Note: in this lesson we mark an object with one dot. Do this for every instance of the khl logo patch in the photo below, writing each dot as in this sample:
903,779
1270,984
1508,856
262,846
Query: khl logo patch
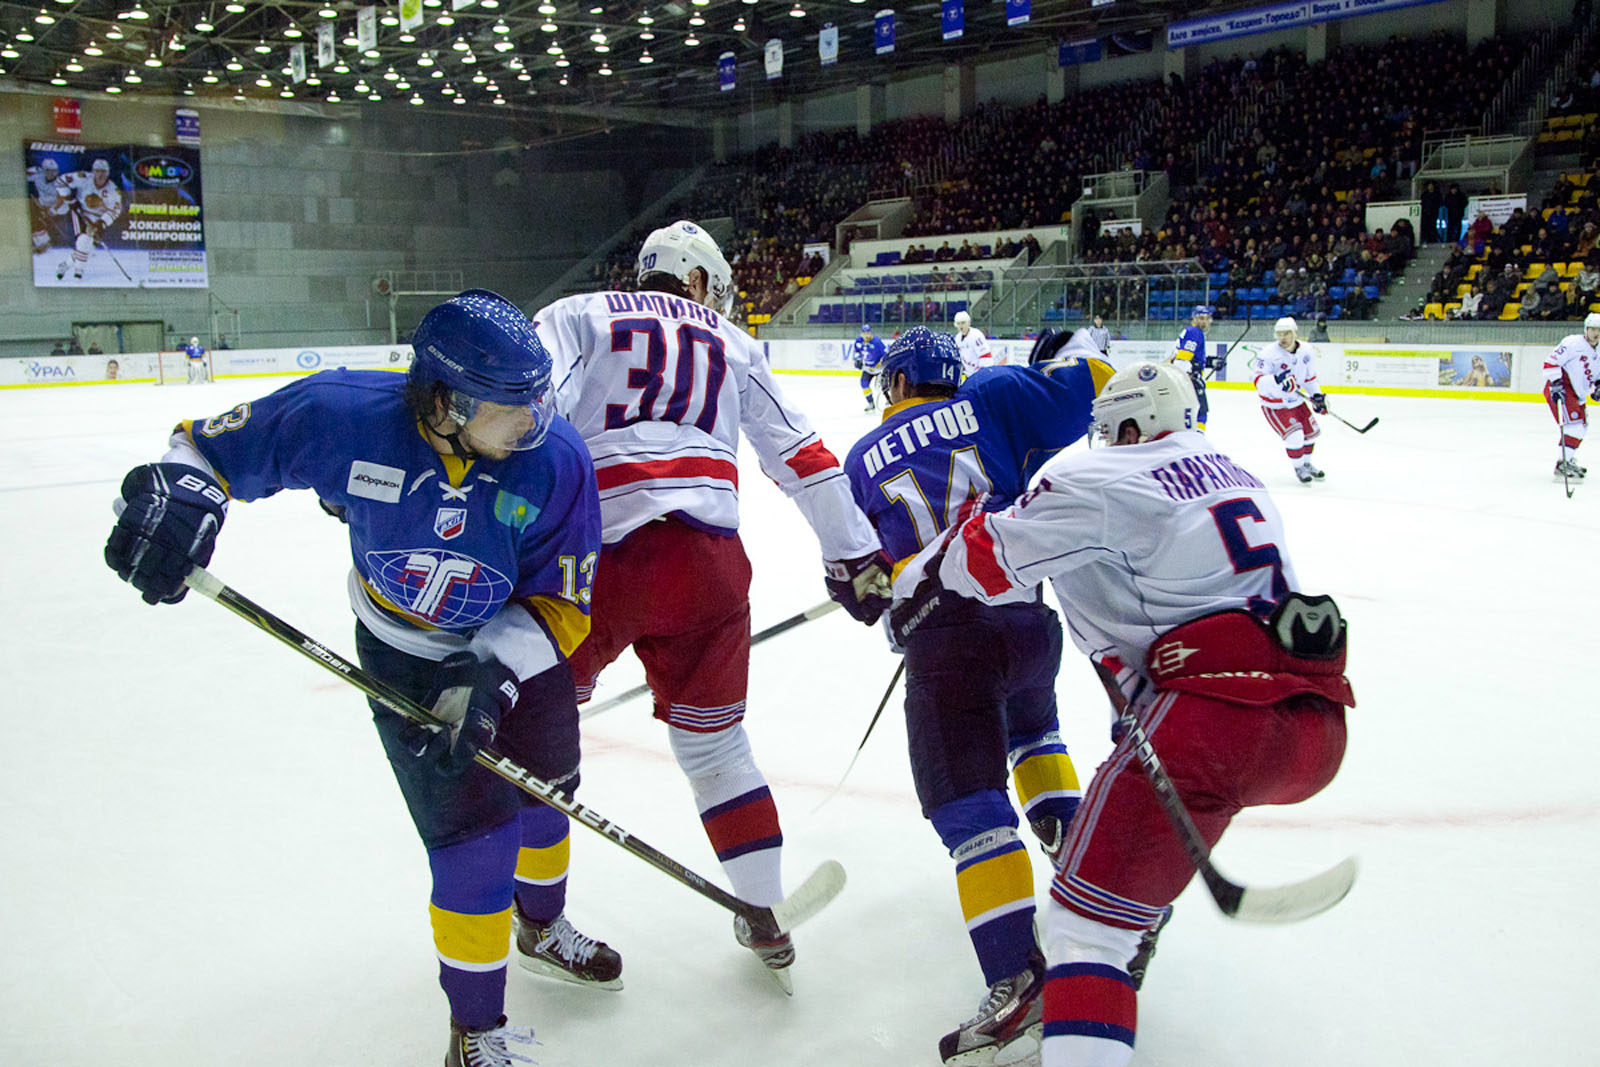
450,522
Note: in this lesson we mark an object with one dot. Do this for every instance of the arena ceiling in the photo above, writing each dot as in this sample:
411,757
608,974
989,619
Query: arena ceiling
616,61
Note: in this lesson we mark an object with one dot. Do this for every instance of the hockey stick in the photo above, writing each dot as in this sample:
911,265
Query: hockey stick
106,249
755,639
1341,418
893,681
1209,371
1278,904
812,896
1566,481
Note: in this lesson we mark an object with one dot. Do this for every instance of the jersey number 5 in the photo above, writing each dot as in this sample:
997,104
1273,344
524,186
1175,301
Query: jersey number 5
1230,516
696,348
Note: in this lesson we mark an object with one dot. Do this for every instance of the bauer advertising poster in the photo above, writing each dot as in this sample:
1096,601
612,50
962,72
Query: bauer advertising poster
115,216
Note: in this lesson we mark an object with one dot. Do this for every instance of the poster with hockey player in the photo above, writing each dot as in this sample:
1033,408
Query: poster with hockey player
115,216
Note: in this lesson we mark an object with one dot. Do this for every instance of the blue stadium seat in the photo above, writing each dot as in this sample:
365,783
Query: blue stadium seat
1269,278
852,313
1370,291
1336,293
1349,277
1337,312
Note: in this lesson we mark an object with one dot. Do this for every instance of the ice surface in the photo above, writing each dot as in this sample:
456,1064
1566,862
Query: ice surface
206,860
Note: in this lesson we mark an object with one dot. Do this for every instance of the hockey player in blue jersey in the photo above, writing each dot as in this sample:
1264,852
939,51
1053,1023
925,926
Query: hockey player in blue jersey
980,680
866,352
1190,353
474,528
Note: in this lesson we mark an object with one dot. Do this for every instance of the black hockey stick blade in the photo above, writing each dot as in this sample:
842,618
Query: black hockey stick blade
1359,429
1285,903
755,639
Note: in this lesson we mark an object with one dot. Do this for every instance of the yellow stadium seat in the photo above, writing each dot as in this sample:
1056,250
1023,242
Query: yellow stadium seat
1535,269
1545,137
1453,306
1464,288
1595,306
1521,288
1569,270
1509,313
1474,270
1433,311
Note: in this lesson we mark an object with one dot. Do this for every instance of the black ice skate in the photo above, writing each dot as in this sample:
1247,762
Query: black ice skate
487,1048
1306,472
772,947
1012,1014
1568,468
1146,951
1052,838
556,950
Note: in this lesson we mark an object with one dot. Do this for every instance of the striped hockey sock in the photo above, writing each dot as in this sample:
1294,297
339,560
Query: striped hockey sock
1090,1016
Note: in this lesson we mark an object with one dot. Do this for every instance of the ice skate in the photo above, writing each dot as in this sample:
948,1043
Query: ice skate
1009,1026
1567,468
61,270
1306,472
773,948
488,1048
1314,471
1140,963
556,950
1052,838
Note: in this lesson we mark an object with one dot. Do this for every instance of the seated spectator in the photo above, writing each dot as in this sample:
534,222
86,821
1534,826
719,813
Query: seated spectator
944,253
1587,283
59,350
1493,302
1470,304
1552,305
1529,303
73,347
1588,237
1478,233
94,349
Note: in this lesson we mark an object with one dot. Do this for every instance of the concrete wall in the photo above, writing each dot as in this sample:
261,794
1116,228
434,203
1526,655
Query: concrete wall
302,209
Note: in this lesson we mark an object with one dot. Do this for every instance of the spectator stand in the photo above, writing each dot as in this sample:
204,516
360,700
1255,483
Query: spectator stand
1473,161
1117,197
1025,298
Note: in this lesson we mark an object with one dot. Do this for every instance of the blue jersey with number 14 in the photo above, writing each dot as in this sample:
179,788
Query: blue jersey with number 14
914,471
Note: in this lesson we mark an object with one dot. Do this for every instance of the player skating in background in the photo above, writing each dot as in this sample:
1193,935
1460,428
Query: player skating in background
866,352
1189,353
660,386
195,353
1286,382
95,203
47,205
1170,565
1571,376
472,510
980,679
973,345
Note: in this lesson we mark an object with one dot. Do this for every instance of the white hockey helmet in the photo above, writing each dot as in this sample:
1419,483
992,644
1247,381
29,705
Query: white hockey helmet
678,249
100,165
963,319
1156,396
194,340
1286,325
1591,321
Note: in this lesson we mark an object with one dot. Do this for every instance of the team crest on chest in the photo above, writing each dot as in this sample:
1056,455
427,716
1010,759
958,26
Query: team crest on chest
450,522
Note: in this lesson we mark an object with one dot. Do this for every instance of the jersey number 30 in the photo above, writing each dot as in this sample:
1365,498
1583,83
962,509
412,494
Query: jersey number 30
698,367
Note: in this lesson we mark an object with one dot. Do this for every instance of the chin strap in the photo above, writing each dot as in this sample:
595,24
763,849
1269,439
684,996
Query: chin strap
457,448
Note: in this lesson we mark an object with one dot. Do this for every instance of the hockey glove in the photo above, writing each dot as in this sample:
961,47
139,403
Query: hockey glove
1594,394
861,585
913,612
471,696
1049,343
1286,382
1558,393
1319,403
1216,362
167,523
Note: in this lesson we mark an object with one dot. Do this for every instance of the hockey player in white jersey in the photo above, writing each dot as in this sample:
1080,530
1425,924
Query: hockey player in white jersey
1286,381
96,202
1572,375
660,385
1171,568
973,345
47,210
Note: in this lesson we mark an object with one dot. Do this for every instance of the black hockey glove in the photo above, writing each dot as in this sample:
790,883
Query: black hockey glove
924,601
1594,394
861,585
1558,393
471,696
1319,403
1285,380
1216,362
1049,343
167,525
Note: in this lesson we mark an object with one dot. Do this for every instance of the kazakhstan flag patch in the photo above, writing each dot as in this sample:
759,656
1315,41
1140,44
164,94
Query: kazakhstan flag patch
514,511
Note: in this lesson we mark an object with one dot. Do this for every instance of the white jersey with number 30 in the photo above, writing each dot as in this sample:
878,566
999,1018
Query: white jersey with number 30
1137,539
660,388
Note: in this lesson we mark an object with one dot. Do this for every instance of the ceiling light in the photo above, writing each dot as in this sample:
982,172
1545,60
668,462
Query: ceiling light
262,47
526,77
292,31
340,68
448,90
500,100
24,35
407,37
446,19
203,26
458,99
312,79
797,12
501,27
375,98
58,79
11,53
598,37
701,3
692,41
333,97
372,53
74,66
391,75
647,36
233,8
645,18
554,50
363,87
416,99
113,88
176,45
469,59
597,10
132,77
402,84
738,27
327,12
546,8
286,92
235,65
563,79
437,73
563,62
264,81
138,14
646,57
503,45
461,44
91,49
491,4
605,70
696,20
188,88
388,19
479,78
44,18
210,77
152,61
602,48
349,41
425,59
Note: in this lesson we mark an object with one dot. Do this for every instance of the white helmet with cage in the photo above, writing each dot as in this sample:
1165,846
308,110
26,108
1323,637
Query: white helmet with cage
1591,321
1156,396
677,250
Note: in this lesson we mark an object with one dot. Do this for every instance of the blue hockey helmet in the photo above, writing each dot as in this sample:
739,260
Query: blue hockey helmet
481,348
924,357
866,327
1202,309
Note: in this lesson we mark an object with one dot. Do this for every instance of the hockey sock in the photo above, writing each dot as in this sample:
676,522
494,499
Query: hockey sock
1090,1006
470,909
736,808
1046,780
1569,447
542,863
993,879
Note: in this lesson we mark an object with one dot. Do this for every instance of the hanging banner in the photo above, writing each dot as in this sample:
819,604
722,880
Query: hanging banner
1018,12
297,63
186,124
953,19
883,32
457,5
828,44
138,206
774,59
69,117
410,14
1277,17
1071,53
367,28
324,44
727,70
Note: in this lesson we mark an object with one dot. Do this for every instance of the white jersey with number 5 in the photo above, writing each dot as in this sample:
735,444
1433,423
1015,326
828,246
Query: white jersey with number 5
660,387
1137,539
1578,360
